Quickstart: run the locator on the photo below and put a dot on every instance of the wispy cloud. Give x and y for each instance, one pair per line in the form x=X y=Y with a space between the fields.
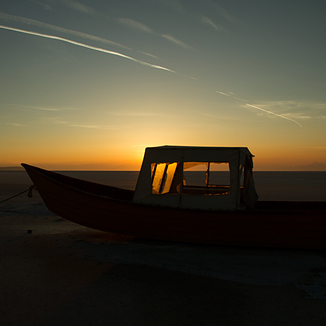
x=59 y=120
x=135 y=25
x=297 y=109
x=78 y=125
x=42 y=108
x=273 y=113
x=256 y=107
x=230 y=94
x=37 y=23
x=148 y=54
x=144 y=28
x=137 y=114
x=58 y=38
x=14 y=124
x=220 y=10
x=175 y=41
x=72 y=4
x=173 y=5
x=222 y=93
x=210 y=23
x=42 y=3
x=76 y=5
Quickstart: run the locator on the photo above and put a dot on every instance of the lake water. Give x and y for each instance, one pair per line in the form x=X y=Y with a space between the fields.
x=298 y=186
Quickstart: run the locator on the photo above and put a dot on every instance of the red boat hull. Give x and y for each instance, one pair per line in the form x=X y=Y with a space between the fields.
x=110 y=209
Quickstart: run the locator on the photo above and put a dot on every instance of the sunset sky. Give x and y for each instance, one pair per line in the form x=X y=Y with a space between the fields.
x=89 y=84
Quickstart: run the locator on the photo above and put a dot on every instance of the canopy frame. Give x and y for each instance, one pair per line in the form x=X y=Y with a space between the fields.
x=161 y=179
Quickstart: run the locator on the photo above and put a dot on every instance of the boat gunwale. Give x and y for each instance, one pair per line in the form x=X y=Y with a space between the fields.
x=47 y=174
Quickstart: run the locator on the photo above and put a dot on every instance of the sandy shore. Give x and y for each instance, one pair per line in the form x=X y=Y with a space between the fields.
x=54 y=272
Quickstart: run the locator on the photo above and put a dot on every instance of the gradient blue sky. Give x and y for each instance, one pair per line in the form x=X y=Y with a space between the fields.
x=89 y=84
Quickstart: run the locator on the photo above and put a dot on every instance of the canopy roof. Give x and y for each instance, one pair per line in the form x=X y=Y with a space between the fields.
x=198 y=153
x=161 y=180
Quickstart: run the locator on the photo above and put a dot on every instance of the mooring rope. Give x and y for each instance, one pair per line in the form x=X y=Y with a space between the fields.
x=30 y=193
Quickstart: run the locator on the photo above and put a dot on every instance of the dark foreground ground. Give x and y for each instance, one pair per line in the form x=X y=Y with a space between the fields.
x=54 y=272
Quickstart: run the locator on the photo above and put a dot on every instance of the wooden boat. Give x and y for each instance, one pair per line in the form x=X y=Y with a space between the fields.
x=165 y=207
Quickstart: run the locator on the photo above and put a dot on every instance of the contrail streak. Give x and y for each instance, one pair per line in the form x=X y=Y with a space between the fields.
x=223 y=93
x=258 y=108
x=270 y=112
x=59 y=29
x=53 y=37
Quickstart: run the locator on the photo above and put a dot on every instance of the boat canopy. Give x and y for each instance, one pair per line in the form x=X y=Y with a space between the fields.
x=209 y=178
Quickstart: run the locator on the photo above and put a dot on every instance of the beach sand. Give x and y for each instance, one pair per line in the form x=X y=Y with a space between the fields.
x=54 y=272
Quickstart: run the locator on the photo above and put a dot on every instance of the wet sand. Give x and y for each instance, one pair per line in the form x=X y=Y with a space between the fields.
x=54 y=272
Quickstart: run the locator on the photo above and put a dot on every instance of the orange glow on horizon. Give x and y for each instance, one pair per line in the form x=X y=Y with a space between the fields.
x=130 y=159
